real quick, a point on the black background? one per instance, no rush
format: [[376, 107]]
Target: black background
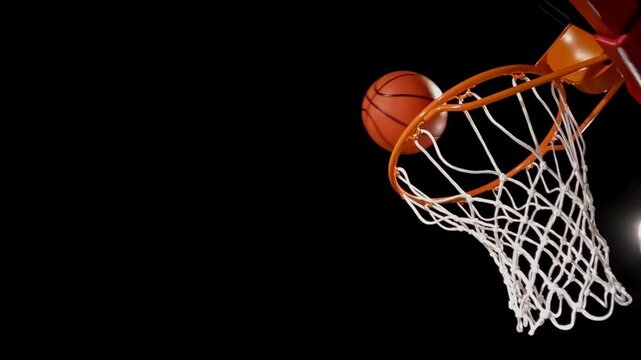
[[381, 278]]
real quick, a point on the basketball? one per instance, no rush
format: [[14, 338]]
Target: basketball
[[393, 101]]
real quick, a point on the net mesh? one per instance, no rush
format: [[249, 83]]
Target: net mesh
[[538, 225]]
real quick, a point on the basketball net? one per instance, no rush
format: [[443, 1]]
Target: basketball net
[[537, 225]]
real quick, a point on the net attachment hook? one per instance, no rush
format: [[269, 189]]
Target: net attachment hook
[[520, 76], [417, 133], [461, 98]]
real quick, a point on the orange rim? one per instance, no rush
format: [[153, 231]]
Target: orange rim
[[441, 104]]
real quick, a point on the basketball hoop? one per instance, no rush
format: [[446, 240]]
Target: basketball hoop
[[536, 219]]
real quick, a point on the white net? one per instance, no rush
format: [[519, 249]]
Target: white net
[[538, 225]]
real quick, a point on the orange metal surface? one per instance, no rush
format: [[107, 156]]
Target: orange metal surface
[[573, 46]]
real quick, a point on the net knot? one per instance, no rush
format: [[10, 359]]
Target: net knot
[[465, 198]]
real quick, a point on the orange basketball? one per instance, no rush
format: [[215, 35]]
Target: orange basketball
[[393, 101]]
